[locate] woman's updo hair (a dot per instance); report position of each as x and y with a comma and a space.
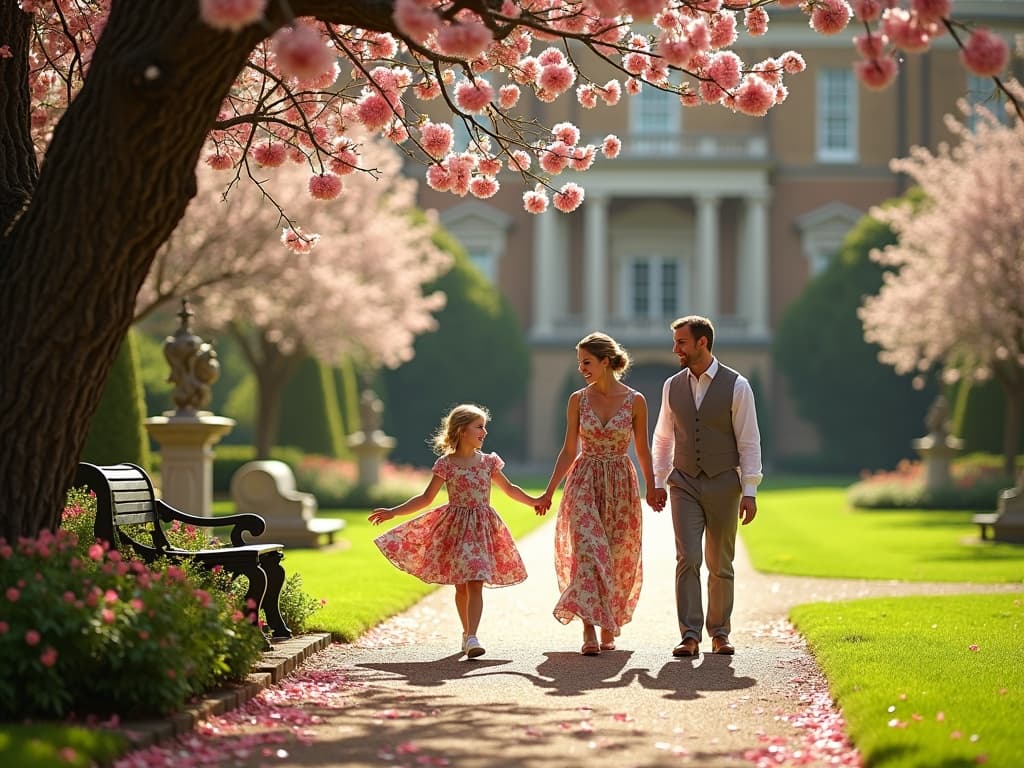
602, 346
446, 439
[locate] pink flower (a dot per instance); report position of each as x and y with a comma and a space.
611, 146
932, 10
867, 10
508, 96
231, 14
4, 627
870, 46
643, 10
427, 90
12, 595
108, 616
32, 637
437, 139
583, 158
270, 154
876, 74
324, 186
569, 197
483, 187
755, 97
984, 54
555, 157
466, 40
415, 20
756, 21
438, 178
345, 160
724, 68
520, 160
374, 111
535, 201
586, 95
5, 52
301, 52
611, 93
219, 162
830, 17
299, 242
489, 166
675, 50
473, 97
723, 31
49, 656
566, 132
557, 78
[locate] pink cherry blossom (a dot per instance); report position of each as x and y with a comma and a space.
520, 161
438, 178
483, 187
792, 62
984, 54
725, 69
556, 78
298, 241
473, 96
231, 14
556, 157
723, 30
756, 21
568, 198
535, 201
489, 166
465, 40
437, 139
611, 93
932, 10
566, 133
301, 52
754, 96
870, 46
269, 154
219, 161
416, 20
583, 158
611, 146
508, 96
868, 10
586, 95
876, 73
374, 111
324, 186
830, 17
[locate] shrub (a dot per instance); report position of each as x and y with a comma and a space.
228, 459
99, 634
976, 481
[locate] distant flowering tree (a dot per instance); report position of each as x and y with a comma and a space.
105, 109
956, 297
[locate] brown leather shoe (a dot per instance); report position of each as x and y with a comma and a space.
720, 644
688, 647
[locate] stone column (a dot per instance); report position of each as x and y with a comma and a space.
707, 256
754, 287
595, 262
545, 265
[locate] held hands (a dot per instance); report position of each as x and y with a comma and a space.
657, 498
543, 504
380, 515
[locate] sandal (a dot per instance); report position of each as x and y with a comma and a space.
590, 648
607, 641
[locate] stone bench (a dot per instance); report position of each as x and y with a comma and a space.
985, 521
267, 488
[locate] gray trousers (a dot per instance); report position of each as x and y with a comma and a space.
705, 516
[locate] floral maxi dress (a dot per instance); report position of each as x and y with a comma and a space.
463, 540
598, 531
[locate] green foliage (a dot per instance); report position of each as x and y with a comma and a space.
85, 631
477, 354
117, 432
347, 385
310, 415
865, 415
335, 483
979, 415
924, 681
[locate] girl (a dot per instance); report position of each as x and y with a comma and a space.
463, 542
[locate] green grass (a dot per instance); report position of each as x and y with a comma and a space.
57, 746
925, 681
812, 531
361, 587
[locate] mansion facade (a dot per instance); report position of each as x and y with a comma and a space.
709, 212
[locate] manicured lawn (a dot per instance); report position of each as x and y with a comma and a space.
925, 681
812, 531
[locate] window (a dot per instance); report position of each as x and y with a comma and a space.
981, 91
485, 260
837, 116
651, 287
654, 121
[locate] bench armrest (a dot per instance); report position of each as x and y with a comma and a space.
245, 522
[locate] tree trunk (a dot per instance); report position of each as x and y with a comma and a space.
1011, 431
116, 179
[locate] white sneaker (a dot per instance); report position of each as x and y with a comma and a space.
473, 647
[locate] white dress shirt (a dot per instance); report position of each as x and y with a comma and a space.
744, 424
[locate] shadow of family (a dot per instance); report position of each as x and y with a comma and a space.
565, 673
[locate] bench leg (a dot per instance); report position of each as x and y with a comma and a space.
271, 564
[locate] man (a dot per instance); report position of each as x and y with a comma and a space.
707, 449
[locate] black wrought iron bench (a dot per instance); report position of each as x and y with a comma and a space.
126, 503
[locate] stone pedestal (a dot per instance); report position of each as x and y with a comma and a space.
370, 451
936, 452
186, 450
1009, 526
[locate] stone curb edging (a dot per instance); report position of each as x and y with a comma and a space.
282, 659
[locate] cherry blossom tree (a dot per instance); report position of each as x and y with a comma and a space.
955, 299
105, 109
360, 293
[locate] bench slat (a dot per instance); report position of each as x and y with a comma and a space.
121, 497
134, 518
129, 485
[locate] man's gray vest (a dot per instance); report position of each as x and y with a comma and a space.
705, 439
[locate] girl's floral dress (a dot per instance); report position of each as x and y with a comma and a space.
463, 540
598, 531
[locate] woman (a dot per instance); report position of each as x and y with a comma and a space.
598, 530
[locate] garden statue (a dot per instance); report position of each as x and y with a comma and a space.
370, 444
194, 365
938, 447
187, 434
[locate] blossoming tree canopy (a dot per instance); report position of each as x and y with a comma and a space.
313, 80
